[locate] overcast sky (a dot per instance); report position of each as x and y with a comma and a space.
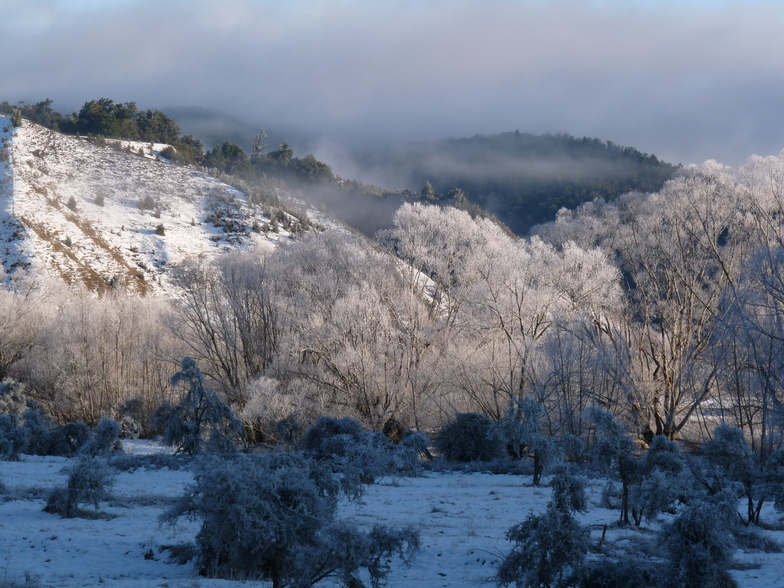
688, 80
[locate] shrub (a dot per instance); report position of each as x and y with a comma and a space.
663, 480
520, 430
105, 438
469, 437
13, 399
12, 438
147, 203
37, 428
100, 199
67, 440
71, 203
629, 572
272, 517
89, 481
130, 428
699, 548
548, 548
359, 453
200, 420
160, 230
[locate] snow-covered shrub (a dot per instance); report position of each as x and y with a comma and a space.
469, 437
628, 572
159, 418
105, 438
700, 548
289, 430
68, 439
89, 481
409, 452
130, 428
12, 438
200, 420
521, 430
731, 455
361, 454
135, 417
550, 547
331, 436
37, 428
272, 517
663, 480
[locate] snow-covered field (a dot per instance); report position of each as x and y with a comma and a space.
462, 518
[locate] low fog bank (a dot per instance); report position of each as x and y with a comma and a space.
521, 178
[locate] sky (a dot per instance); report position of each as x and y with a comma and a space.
687, 80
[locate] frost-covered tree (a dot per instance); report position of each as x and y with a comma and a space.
663, 480
612, 447
522, 429
200, 420
549, 547
273, 517
228, 319
729, 451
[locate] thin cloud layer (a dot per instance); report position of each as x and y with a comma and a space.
685, 80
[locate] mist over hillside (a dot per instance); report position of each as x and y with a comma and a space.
521, 178
213, 128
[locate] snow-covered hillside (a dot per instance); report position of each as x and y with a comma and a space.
103, 212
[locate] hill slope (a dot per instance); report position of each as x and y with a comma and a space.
109, 212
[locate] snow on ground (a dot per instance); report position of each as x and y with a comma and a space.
462, 519
104, 235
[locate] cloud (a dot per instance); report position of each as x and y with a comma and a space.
685, 80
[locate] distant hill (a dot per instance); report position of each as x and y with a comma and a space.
522, 179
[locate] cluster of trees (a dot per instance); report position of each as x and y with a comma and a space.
663, 308
102, 117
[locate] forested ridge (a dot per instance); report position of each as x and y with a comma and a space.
521, 178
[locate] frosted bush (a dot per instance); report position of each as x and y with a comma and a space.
361, 454
12, 438
37, 428
67, 440
130, 428
521, 430
89, 481
105, 438
272, 517
200, 420
548, 548
469, 437
663, 480
700, 548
